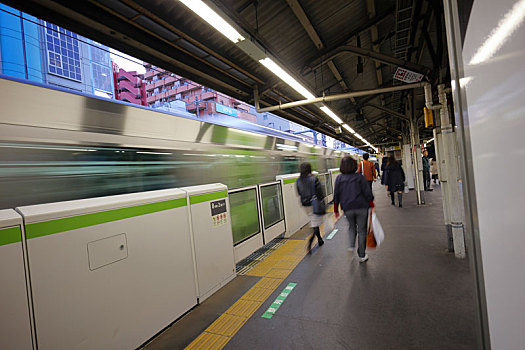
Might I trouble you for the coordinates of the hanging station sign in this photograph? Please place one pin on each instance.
(407, 76)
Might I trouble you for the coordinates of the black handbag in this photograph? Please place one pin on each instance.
(318, 205)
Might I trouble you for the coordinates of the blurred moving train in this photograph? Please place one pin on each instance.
(57, 145)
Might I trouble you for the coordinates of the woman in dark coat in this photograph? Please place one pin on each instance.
(383, 169)
(307, 186)
(353, 193)
(395, 179)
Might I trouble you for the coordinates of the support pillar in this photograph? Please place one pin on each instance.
(416, 155)
(453, 198)
(438, 146)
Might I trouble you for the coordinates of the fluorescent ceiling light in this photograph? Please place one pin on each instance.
(331, 114)
(287, 78)
(216, 21)
(347, 127)
(499, 35)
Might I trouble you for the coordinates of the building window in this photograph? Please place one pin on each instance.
(63, 52)
(101, 77)
(99, 55)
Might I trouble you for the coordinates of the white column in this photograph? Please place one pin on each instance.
(453, 199)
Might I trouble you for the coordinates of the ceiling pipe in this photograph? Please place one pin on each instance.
(337, 97)
(369, 54)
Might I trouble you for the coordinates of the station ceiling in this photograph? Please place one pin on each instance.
(329, 46)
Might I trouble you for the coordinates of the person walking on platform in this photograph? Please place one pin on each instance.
(394, 179)
(376, 166)
(434, 170)
(353, 193)
(368, 170)
(309, 186)
(383, 171)
(426, 171)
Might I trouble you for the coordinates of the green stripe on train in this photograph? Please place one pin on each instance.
(289, 181)
(199, 198)
(10, 235)
(45, 228)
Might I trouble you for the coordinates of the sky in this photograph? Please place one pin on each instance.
(127, 62)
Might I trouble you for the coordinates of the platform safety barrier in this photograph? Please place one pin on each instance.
(111, 272)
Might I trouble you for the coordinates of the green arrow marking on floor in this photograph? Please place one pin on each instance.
(279, 300)
(332, 234)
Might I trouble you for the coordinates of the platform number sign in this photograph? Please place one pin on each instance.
(407, 76)
(219, 216)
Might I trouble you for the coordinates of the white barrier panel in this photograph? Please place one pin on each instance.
(15, 326)
(328, 187)
(294, 213)
(110, 272)
(272, 210)
(334, 173)
(212, 237)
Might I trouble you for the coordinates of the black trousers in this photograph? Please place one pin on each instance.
(370, 184)
(426, 179)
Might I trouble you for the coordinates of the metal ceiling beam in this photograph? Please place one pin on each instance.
(312, 33)
(363, 28)
(369, 54)
(370, 5)
(389, 111)
(143, 11)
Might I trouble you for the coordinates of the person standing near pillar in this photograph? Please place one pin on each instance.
(368, 170)
(434, 170)
(426, 171)
(394, 179)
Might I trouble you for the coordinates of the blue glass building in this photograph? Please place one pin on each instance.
(43, 52)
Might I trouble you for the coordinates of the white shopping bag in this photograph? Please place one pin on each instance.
(379, 234)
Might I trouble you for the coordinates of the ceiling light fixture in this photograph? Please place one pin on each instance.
(347, 127)
(287, 78)
(206, 13)
(331, 114)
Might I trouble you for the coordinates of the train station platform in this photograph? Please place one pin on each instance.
(411, 294)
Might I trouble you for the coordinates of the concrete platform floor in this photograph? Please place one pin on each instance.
(411, 294)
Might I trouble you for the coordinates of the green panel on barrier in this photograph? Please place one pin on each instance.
(272, 204)
(10, 235)
(45, 228)
(289, 181)
(199, 198)
(329, 187)
(244, 215)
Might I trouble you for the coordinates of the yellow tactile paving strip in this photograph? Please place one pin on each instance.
(273, 270)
